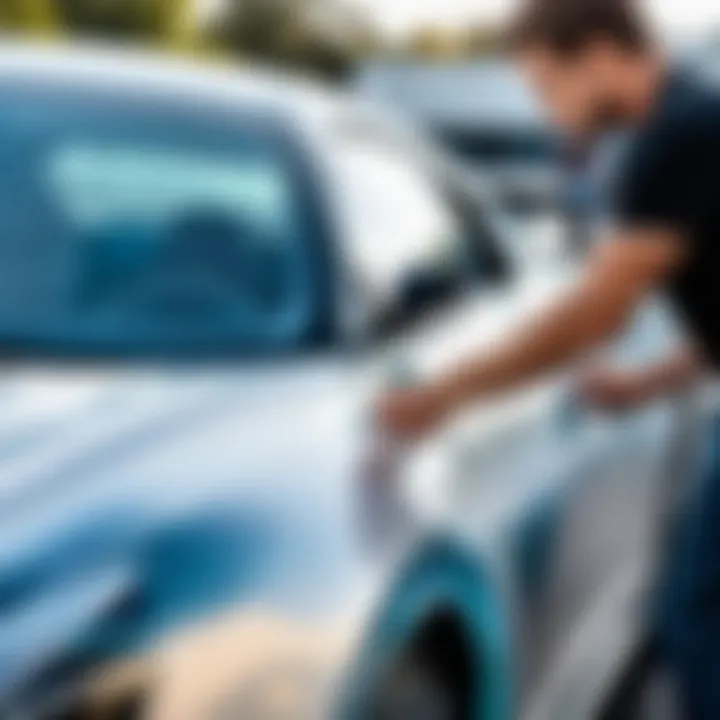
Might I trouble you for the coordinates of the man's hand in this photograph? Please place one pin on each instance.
(413, 413)
(616, 390)
(619, 275)
(621, 390)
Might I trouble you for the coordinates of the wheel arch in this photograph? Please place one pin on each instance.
(443, 581)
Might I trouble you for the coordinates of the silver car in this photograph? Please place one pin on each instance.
(205, 278)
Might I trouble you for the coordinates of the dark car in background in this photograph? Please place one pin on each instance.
(484, 113)
(206, 275)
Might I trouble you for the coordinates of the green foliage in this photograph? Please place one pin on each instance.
(21, 14)
(147, 20)
(320, 35)
(483, 40)
(284, 32)
(431, 42)
(260, 28)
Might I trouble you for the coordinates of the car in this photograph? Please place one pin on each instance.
(484, 114)
(207, 277)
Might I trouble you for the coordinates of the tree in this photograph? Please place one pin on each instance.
(295, 33)
(258, 28)
(434, 43)
(322, 35)
(36, 15)
(483, 40)
(167, 21)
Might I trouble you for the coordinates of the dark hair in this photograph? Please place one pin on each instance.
(566, 27)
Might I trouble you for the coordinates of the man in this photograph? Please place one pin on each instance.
(598, 69)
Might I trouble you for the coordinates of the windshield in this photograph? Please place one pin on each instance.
(134, 227)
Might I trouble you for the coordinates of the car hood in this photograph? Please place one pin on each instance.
(146, 435)
(157, 497)
(195, 488)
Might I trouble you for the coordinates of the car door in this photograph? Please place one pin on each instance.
(569, 502)
(592, 614)
(563, 495)
(406, 222)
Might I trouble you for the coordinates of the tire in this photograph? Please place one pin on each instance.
(415, 692)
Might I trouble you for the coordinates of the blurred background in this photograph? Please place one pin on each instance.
(302, 35)
(225, 227)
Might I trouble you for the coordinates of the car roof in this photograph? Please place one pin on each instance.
(307, 102)
(147, 72)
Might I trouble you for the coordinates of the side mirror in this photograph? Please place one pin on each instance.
(426, 287)
(415, 295)
(370, 313)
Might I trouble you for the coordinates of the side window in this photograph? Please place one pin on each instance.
(406, 239)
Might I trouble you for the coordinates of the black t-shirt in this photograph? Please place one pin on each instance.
(671, 178)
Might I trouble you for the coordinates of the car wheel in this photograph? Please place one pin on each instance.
(435, 679)
(414, 692)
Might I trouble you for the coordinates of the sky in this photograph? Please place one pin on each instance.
(673, 16)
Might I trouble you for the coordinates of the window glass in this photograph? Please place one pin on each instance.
(136, 227)
(97, 183)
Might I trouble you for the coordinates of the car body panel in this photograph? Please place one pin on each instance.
(224, 506)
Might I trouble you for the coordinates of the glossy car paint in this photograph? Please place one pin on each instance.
(209, 492)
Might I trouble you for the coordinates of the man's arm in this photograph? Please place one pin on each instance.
(619, 275)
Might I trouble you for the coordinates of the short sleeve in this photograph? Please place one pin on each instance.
(657, 184)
